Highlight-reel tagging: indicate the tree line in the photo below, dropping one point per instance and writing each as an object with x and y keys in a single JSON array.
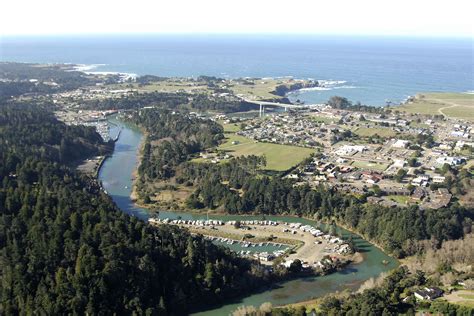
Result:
[
  {"x": 337, "y": 102},
  {"x": 238, "y": 189},
  {"x": 66, "y": 249},
  {"x": 172, "y": 101}
]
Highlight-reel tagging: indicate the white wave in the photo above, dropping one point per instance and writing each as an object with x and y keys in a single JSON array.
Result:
[
  {"x": 469, "y": 92},
  {"x": 322, "y": 89},
  {"x": 331, "y": 82},
  {"x": 312, "y": 89},
  {"x": 85, "y": 67},
  {"x": 345, "y": 87},
  {"x": 88, "y": 69},
  {"x": 111, "y": 73},
  {"x": 282, "y": 77}
]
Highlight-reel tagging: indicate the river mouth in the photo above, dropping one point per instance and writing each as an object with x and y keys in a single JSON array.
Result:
[{"x": 116, "y": 177}]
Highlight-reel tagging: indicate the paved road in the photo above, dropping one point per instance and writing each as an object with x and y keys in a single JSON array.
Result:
[{"x": 289, "y": 106}]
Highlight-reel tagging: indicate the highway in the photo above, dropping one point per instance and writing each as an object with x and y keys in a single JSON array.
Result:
[{"x": 285, "y": 105}]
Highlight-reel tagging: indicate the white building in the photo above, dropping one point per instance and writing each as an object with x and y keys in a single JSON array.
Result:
[
  {"x": 400, "y": 143},
  {"x": 453, "y": 161},
  {"x": 438, "y": 179},
  {"x": 398, "y": 163},
  {"x": 347, "y": 150}
]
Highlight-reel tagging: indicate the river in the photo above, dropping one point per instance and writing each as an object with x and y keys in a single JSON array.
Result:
[{"x": 116, "y": 176}]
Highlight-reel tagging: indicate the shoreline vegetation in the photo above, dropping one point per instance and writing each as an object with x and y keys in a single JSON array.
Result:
[
  {"x": 135, "y": 175},
  {"x": 44, "y": 199}
]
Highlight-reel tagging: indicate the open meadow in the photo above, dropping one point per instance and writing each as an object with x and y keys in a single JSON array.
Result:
[
  {"x": 365, "y": 165},
  {"x": 462, "y": 297},
  {"x": 230, "y": 127},
  {"x": 382, "y": 132},
  {"x": 251, "y": 89},
  {"x": 260, "y": 89},
  {"x": 279, "y": 157},
  {"x": 453, "y": 105}
]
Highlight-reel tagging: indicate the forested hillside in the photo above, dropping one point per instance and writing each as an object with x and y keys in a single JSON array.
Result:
[
  {"x": 66, "y": 249},
  {"x": 171, "y": 138}
]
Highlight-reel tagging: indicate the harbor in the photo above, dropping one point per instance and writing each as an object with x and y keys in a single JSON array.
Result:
[
  {"x": 115, "y": 176},
  {"x": 267, "y": 240}
]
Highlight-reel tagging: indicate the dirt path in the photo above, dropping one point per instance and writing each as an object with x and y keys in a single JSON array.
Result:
[
  {"x": 440, "y": 110},
  {"x": 463, "y": 297}
]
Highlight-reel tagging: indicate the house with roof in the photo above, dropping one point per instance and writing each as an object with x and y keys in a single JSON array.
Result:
[
  {"x": 440, "y": 198},
  {"x": 428, "y": 293},
  {"x": 401, "y": 143},
  {"x": 418, "y": 194},
  {"x": 439, "y": 179}
]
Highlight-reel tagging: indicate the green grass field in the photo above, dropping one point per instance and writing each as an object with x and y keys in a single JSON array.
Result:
[
  {"x": 399, "y": 198},
  {"x": 419, "y": 125},
  {"x": 369, "y": 165},
  {"x": 461, "y": 112},
  {"x": 231, "y": 127},
  {"x": 454, "y": 105},
  {"x": 467, "y": 296},
  {"x": 322, "y": 119},
  {"x": 162, "y": 86},
  {"x": 382, "y": 132},
  {"x": 279, "y": 157},
  {"x": 462, "y": 297},
  {"x": 261, "y": 90}
]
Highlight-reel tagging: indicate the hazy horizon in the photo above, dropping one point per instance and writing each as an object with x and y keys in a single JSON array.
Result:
[{"x": 237, "y": 34}]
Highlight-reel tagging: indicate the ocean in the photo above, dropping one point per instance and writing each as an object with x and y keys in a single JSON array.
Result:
[{"x": 372, "y": 70}]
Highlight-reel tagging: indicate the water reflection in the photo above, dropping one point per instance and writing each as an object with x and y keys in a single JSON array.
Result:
[{"x": 116, "y": 178}]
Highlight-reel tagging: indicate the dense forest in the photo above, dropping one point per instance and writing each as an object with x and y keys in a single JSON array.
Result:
[
  {"x": 66, "y": 249},
  {"x": 171, "y": 138}
]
